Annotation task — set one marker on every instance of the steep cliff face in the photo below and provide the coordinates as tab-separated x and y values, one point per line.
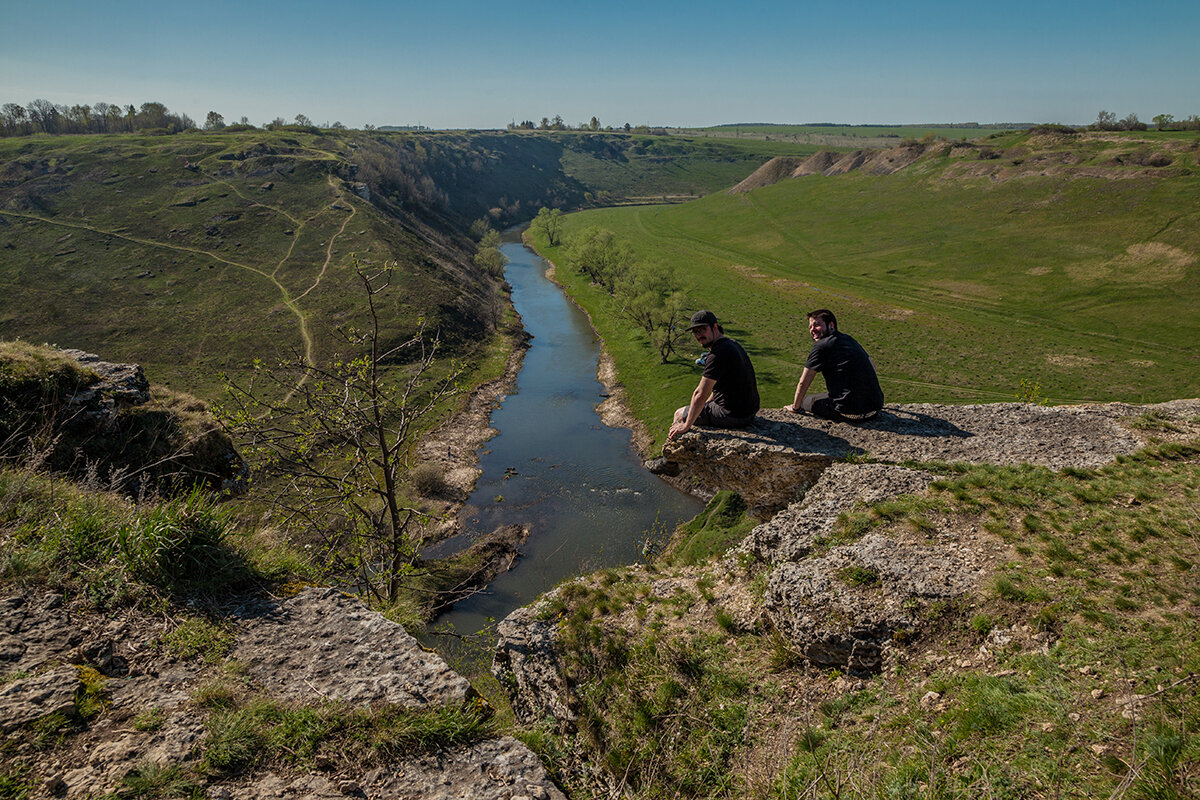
775	460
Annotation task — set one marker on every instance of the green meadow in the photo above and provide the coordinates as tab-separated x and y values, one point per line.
855	136
196	253
1061	285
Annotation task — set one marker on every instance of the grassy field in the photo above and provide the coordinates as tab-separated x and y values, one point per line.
1075	285
852	136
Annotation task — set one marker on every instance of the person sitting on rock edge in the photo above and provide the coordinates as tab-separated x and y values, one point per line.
854	394
727	395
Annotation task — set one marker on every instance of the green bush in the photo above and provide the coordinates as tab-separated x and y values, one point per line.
723	523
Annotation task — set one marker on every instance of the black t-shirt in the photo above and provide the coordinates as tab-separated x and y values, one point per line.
736	388
849	374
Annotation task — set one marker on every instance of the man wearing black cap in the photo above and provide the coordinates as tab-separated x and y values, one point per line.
727	396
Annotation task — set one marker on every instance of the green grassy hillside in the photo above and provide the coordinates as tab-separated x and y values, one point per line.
622	168
1066	265
193	254
199	252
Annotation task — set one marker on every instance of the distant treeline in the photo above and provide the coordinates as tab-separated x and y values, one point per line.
1107	121
594	124
950	125
42	116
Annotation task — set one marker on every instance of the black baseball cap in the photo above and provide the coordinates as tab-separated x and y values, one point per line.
702	318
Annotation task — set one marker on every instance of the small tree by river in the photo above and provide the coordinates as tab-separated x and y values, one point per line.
336	445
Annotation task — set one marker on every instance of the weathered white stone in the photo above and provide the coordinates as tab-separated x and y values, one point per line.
776	459
323	644
526	661
497	769
29	699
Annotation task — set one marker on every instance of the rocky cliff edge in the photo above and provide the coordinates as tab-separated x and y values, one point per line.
851	605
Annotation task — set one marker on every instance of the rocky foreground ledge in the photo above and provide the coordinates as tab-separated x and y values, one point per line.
800	474
775	460
317	646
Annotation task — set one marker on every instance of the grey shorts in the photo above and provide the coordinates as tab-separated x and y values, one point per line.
714	416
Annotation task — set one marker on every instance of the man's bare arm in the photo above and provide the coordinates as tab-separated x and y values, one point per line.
699	398
806	379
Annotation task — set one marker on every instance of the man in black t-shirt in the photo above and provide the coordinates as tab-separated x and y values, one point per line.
727	396
854	392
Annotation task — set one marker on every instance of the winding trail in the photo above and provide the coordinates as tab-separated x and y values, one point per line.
329	247
292	303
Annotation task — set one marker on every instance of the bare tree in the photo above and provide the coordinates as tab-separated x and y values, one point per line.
45	116
338	445
14	121
1132	123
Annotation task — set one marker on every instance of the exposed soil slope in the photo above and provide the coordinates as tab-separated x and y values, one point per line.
1039	152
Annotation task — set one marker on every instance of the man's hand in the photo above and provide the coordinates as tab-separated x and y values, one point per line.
678	428
793	408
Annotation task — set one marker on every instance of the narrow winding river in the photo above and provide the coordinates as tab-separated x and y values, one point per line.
554	466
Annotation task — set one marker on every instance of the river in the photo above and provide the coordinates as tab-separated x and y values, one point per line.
554	466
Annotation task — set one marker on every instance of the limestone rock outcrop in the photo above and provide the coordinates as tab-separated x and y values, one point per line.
776	459
527	662
326	644
318	646
851	604
119	385
499	769
103	422
844	606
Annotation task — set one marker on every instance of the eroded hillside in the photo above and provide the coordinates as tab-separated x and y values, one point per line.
1041	151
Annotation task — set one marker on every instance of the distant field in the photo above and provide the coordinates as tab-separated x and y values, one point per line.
963	289
847	136
628	168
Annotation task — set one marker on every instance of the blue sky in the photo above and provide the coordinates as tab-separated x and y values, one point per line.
467	63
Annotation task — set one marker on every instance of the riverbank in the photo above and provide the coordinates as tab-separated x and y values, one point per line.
455	444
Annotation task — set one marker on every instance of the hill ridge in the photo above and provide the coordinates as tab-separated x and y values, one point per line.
1038	152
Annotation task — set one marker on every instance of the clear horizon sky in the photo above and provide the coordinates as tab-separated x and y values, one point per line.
472	64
